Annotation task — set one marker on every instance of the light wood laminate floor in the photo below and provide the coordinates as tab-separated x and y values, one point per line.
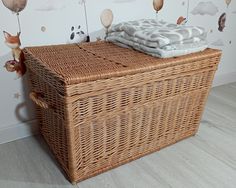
207	160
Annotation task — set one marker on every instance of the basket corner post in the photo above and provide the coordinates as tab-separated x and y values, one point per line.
71	144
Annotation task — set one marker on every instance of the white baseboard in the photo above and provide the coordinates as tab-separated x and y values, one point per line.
224	79
21	130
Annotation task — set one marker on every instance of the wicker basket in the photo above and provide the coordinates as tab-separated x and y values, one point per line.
101	106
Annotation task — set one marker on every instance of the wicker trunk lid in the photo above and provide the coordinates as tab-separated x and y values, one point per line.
102	106
63	65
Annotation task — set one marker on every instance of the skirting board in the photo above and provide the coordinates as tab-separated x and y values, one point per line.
224	79
22	130
15	132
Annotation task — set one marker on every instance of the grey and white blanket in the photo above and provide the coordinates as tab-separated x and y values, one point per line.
159	39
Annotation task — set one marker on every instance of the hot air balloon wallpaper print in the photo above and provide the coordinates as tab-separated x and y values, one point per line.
221	22
15	5
158	5
106	18
181	20
227	2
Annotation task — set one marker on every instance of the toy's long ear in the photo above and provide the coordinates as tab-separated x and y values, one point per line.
6	34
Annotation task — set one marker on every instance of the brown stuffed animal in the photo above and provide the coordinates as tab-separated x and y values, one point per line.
17	64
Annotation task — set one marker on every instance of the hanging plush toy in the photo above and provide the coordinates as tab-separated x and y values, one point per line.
13	42
17	64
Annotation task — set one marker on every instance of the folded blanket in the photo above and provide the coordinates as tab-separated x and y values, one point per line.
181	49
172	46
162	33
159	39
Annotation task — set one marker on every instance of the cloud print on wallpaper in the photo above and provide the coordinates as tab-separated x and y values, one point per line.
218	42
123	1
205	8
49	5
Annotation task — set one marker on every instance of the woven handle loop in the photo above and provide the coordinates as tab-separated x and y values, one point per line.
37	98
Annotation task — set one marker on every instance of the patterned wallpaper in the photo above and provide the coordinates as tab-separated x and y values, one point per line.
47	22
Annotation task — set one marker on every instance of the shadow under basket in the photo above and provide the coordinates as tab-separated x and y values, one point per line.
101	106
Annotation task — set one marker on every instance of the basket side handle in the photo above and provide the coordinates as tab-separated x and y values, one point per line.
38	100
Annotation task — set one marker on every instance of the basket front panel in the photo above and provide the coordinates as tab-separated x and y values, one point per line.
112	140
102	103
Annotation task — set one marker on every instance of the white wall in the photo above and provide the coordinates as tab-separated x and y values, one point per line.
16	112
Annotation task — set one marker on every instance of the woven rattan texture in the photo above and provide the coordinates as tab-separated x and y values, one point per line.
72	64
100	122
104	143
